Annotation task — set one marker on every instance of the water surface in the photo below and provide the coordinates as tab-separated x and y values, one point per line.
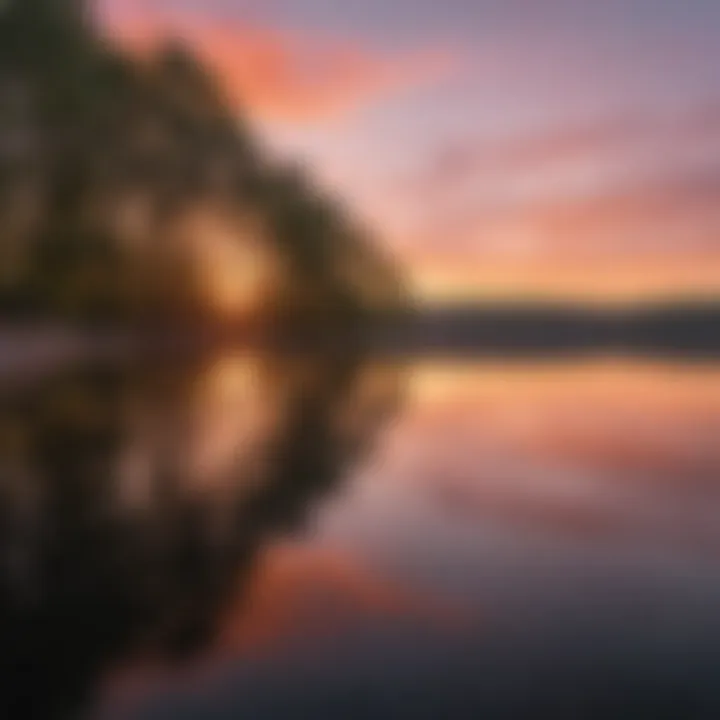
246	536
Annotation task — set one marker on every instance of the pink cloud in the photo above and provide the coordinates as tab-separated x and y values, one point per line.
615	139
625	189
279	74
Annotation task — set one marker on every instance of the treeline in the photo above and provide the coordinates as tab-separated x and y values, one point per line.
680	328
131	191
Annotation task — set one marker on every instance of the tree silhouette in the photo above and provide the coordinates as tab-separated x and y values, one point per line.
105	157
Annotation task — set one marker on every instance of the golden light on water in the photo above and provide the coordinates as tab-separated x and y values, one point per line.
658	385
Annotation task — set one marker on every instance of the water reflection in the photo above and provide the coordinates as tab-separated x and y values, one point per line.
136	502
235	538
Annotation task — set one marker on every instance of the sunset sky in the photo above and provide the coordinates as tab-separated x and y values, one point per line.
563	149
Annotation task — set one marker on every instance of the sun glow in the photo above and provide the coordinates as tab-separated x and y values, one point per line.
238	265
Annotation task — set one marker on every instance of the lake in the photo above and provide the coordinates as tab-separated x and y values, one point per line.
247	535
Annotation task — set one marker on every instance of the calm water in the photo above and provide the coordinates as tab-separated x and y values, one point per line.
333	538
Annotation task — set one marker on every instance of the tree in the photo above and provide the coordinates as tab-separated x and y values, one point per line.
118	153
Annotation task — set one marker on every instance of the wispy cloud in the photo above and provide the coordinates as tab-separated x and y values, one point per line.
623	189
618	139
669	215
280	74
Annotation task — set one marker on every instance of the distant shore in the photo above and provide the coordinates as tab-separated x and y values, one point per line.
691	332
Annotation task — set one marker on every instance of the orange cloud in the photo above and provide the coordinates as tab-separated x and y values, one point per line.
281	75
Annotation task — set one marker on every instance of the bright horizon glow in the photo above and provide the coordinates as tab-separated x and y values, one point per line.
605	287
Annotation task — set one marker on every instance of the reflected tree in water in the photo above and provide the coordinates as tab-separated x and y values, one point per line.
125	527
